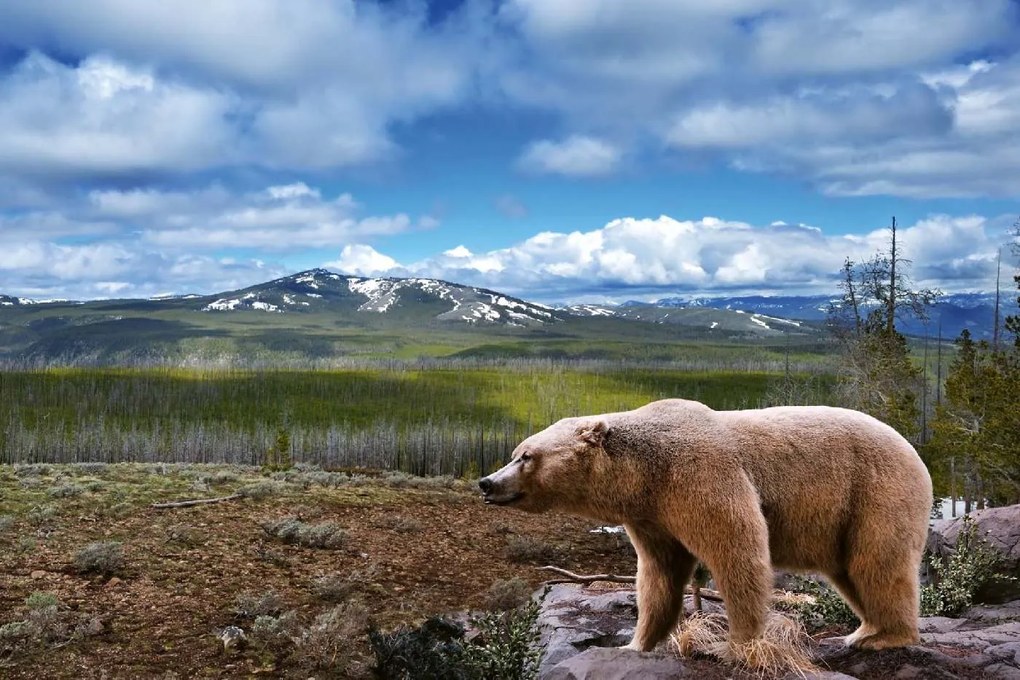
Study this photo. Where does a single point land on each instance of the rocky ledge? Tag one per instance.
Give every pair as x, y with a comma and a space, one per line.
582, 628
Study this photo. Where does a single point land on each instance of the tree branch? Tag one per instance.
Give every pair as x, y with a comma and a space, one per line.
198, 501
571, 577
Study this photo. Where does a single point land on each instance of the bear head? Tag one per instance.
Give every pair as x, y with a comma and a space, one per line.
551, 469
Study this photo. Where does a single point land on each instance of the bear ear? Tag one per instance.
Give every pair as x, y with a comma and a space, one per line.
595, 432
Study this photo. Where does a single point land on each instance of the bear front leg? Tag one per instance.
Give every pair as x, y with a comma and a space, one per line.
664, 568
737, 554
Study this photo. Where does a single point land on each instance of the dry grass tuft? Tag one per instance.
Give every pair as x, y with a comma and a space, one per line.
783, 647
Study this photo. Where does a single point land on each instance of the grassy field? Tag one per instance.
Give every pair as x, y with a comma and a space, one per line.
442, 419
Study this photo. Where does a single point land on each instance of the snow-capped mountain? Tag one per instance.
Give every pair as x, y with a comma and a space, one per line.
317, 289
973, 311
714, 320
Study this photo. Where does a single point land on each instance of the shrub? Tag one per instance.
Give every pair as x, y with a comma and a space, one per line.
505, 648
325, 644
100, 557
6, 522
274, 633
66, 490
250, 606
41, 514
507, 645
522, 549
402, 524
506, 594
340, 587
825, 607
329, 535
958, 577
433, 650
94, 469
263, 489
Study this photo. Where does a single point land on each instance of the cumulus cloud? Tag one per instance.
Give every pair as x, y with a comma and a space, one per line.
155, 241
576, 156
630, 258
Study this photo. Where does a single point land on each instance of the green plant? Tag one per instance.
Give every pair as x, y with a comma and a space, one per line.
507, 645
100, 557
505, 648
263, 489
825, 607
6, 522
958, 577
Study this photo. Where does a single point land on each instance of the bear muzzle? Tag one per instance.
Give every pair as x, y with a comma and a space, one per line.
493, 492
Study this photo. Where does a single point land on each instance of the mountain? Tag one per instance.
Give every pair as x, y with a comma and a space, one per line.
973, 311
322, 314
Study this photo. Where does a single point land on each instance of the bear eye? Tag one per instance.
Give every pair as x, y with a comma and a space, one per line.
525, 457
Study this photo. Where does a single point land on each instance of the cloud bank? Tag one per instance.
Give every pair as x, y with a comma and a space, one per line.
649, 258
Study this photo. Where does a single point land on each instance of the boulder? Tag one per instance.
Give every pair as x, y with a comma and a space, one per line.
1000, 527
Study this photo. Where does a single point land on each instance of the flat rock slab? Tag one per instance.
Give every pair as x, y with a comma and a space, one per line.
607, 663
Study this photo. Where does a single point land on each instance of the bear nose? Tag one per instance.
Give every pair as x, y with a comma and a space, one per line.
485, 485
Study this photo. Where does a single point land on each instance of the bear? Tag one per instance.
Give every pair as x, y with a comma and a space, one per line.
801, 488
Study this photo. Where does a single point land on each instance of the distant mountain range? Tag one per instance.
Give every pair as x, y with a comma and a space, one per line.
323, 313
973, 311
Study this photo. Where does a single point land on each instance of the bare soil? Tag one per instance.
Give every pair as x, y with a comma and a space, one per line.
427, 552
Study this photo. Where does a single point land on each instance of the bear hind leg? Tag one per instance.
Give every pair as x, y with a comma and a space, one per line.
888, 596
664, 569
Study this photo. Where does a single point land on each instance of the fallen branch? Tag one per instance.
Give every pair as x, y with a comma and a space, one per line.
571, 577
197, 501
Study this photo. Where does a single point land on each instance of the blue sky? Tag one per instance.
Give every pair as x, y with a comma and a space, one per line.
561, 150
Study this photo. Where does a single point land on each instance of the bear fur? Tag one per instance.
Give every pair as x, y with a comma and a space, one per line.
803, 488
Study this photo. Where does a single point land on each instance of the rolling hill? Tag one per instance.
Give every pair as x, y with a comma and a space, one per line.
319, 313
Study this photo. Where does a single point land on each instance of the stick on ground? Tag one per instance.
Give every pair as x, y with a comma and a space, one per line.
197, 501
571, 577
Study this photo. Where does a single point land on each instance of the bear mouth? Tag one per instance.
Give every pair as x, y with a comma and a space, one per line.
491, 500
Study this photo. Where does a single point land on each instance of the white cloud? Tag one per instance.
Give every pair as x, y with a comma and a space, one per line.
631, 258
576, 156
155, 241
102, 118
363, 260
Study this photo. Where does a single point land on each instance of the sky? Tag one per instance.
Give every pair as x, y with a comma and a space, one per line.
558, 150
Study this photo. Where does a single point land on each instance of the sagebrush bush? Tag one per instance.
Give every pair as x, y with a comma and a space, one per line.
100, 557
340, 587
274, 634
328, 535
521, 549
972, 564
252, 605
326, 644
506, 594
264, 489
6, 522
41, 514
65, 490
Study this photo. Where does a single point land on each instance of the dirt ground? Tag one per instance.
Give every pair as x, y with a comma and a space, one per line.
415, 553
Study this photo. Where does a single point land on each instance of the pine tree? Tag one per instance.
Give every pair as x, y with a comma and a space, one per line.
877, 375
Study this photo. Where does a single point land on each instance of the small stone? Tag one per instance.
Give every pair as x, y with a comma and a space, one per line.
94, 627
38, 574
113, 582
